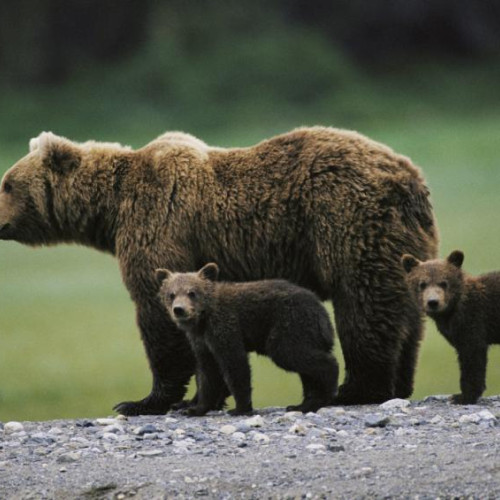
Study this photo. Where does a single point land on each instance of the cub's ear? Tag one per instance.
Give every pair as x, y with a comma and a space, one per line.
456, 258
57, 153
209, 272
162, 274
409, 262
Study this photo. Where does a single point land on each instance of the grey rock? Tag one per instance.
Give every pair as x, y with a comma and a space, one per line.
376, 420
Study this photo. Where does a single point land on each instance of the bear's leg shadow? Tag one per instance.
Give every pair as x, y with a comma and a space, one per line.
170, 358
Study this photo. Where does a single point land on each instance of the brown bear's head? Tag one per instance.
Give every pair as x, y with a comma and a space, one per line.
26, 191
435, 284
52, 194
186, 296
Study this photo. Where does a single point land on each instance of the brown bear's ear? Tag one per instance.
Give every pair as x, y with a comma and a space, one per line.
162, 274
209, 272
456, 258
57, 153
409, 262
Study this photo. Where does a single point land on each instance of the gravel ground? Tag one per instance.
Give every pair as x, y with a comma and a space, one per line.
423, 449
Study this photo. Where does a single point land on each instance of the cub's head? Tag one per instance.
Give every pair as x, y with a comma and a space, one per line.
436, 285
187, 295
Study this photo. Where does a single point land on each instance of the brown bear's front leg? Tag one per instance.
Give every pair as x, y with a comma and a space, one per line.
170, 358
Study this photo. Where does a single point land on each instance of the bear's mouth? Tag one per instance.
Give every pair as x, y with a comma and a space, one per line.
4, 231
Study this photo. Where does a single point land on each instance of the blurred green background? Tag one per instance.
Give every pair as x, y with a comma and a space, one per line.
422, 77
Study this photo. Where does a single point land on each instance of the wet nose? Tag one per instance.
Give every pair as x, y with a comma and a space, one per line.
179, 312
432, 304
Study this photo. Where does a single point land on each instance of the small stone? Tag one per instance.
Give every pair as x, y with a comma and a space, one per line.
84, 423
437, 398
243, 427
335, 448
487, 415
71, 456
255, 421
110, 436
238, 436
171, 420
473, 418
228, 429
342, 433
188, 480
261, 438
150, 453
292, 415
298, 429
11, 427
363, 472
145, 429
376, 420
114, 428
121, 417
106, 421
42, 438
56, 431
438, 419
315, 447
395, 404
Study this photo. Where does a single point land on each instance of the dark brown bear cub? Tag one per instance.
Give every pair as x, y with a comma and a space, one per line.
225, 321
466, 310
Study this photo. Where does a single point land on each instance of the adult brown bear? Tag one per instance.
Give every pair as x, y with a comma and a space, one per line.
327, 209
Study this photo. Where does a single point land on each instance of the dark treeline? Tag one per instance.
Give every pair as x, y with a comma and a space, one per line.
45, 41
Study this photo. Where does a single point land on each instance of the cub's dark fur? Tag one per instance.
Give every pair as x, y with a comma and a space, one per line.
224, 321
466, 310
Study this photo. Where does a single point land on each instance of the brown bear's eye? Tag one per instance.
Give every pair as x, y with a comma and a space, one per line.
172, 296
191, 294
443, 285
423, 285
7, 187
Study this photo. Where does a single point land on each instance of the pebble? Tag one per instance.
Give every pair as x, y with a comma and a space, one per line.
71, 456
298, 429
261, 438
395, 404
255, 421
228, 429
316, 447
145, 429
376, 420
106, 421
150, 453
11, 427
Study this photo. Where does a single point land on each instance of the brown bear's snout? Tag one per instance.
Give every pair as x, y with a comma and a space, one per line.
179, 312
433, 299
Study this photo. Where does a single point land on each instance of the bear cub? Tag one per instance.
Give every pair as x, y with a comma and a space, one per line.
224, 321
466, 310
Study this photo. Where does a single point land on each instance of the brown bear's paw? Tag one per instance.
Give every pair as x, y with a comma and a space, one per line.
349, 395
147, 406
195, 411
311, 405
181, 405
460, 399
245, 411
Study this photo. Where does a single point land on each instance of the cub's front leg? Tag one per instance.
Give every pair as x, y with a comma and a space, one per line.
472, 361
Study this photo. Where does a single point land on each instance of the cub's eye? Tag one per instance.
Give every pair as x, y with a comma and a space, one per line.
7, 187
443, 285
172, 296
192, 295
422, 285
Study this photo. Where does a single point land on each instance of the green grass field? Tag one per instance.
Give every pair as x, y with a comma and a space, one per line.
68, 342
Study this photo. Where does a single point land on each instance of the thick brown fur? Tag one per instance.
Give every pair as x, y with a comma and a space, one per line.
224, 321
325, 208
466, 311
